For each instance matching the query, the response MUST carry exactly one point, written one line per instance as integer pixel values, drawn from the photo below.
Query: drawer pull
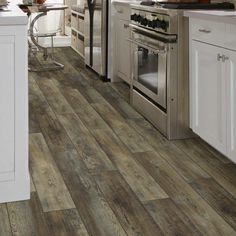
(204, 31)
(126, 26)
(120, 11)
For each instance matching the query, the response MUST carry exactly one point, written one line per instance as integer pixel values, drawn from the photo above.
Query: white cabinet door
(7, 90)
(231, 103)
(123, 50)
(208, 89)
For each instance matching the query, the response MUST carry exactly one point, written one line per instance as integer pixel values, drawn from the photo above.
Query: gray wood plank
(136, 176)
(170, 218)
(130, 212)
(66, 222)
(51, 189)
(5, 229)
(26, 218)
(204, 218)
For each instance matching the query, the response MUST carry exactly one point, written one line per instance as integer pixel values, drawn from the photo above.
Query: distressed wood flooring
(99, 168)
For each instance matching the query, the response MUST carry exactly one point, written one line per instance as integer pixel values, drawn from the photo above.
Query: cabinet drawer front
(122, 12)
(230, 39)
(208, 31)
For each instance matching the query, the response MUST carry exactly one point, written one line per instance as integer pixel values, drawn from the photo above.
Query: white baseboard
(59, 41)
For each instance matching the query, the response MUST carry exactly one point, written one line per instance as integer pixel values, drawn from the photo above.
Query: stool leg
(52, 47)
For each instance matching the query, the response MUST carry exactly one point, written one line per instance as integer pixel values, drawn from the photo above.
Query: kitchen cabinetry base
(15, 191)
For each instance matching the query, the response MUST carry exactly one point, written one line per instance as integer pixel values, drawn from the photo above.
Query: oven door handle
(161, 51)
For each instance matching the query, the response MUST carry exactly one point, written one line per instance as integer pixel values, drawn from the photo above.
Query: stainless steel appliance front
(150, 66)
(95, 30)
(159, 88)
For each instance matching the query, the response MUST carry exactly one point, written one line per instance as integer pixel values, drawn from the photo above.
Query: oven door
(150, 71)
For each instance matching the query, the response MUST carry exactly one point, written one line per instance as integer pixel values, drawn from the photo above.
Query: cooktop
(177, 5)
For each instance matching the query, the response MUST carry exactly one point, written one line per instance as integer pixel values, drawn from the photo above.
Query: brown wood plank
(5, 229)
(209, 163)
(66, 222)
(83, 109)
(170, 218)
(122, 89)
(205, 219)
(133, 141)
(51, 189)
(136, 176)
(26, 218)
(130, 212)
(216, 196)
(56, 100)
(32, 187)
(95, 212)
(94, 157)
(175, 156)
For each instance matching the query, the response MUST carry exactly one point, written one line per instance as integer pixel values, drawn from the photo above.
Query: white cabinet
(213, 88)
(231, 103)
(14, 174)
(209, 95)
(121, 56)
(123, 50)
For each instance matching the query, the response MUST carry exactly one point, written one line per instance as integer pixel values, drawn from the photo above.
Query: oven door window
(151, 74)
(148, 69)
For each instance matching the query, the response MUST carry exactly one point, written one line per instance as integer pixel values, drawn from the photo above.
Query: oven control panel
(155, 21)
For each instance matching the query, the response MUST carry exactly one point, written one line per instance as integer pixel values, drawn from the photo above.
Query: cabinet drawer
(208, 31)
(230, 39)
(122, 12)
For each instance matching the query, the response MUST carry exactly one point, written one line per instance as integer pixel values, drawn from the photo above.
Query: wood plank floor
(99, 168)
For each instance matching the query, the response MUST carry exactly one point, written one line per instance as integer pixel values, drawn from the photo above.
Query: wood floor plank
(115, 100)
(32, 187)
(26, 218)
(54, 97)
(136, 176)
(5, 229)
(210, 164)
(83, 109)
(51, 189)
(66, 222)
(123, 90)
(95, 212)
(205, 219)
(129, 136)
(94, 157)
(216, 196)
(130, 212)
(170, 218)
(178, 159)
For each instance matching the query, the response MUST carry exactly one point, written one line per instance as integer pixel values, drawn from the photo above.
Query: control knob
(144, 21)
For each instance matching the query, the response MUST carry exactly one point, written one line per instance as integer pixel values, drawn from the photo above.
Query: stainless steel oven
(159, 87)
(149, 71)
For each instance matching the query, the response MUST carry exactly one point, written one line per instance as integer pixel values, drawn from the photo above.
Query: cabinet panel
(123, 50)
(7, 65)
(208, 31)
(209, 95)
(231, 104)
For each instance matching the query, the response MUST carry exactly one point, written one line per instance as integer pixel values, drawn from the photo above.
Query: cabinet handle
(204, 31)
(120, 11)
(126, 26)
(219, 57)
(224, 58)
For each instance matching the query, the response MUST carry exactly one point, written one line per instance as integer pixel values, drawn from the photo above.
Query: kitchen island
(14, 174)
